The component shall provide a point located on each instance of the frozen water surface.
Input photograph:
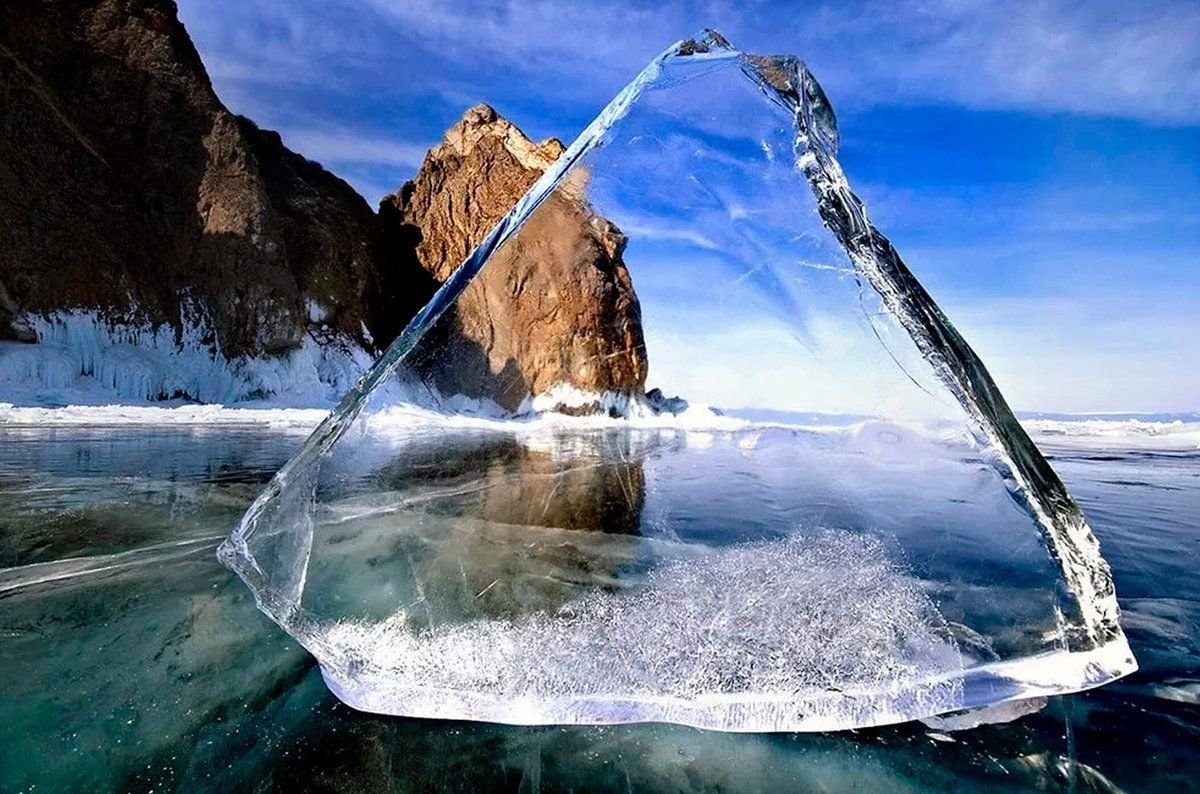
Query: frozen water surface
(844, 527)
(133, 661)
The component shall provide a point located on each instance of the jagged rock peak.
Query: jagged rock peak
(482, 121)
(135, 198)
(554, 307)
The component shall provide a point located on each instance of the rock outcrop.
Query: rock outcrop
(554, 307)
(127, 187)
(129, 192)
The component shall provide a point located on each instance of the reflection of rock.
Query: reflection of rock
(483, 568)
(567, 492)
(525, 528)
(554, 306)
(585, 482)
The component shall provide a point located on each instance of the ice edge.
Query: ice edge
(1020, 679)
(1067, 535)
(1103, 653)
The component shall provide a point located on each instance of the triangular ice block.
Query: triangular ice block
(682, 440)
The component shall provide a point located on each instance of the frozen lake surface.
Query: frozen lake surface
(135, 660)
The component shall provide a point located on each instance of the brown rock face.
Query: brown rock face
(127, 187)
(554, 306)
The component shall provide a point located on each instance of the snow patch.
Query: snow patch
(565, 398)
(316, 312)
(299, 419)
(1177, 435)
(80, 359)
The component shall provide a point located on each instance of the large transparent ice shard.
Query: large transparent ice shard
(837, 523)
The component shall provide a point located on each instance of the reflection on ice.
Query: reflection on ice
(743, 577)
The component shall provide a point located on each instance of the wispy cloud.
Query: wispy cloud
(375, 165)
(652, 229)
(538, 34)
(1106, 58)
(1132, 60)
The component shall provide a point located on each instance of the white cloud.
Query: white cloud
(1110, 59)
(536, 34)
(1139, 60)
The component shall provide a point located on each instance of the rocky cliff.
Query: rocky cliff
(130, 193)
(128, 187)
(554, 307)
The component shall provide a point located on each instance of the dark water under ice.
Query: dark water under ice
(132, 660)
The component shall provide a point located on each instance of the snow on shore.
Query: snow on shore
(159, 416)
(81, 359)
(1085, 432)
(1180, 434)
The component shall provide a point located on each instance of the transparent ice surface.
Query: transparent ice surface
(840, 524)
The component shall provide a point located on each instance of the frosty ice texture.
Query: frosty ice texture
(840, 525)
(83, 359)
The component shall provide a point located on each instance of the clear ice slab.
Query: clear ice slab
(839, 525)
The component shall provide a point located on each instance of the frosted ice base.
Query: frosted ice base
(977, 688)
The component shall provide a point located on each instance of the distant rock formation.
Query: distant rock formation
(128, 191)
(554, 307)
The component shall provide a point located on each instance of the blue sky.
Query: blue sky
(1037, 164)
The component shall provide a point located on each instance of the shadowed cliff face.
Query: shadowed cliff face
(554, 306)
(129, 188)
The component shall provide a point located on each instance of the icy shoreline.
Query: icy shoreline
(1085, 431)
(1176, 435)
(80, 358)
(159, 416)
(86, 372)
